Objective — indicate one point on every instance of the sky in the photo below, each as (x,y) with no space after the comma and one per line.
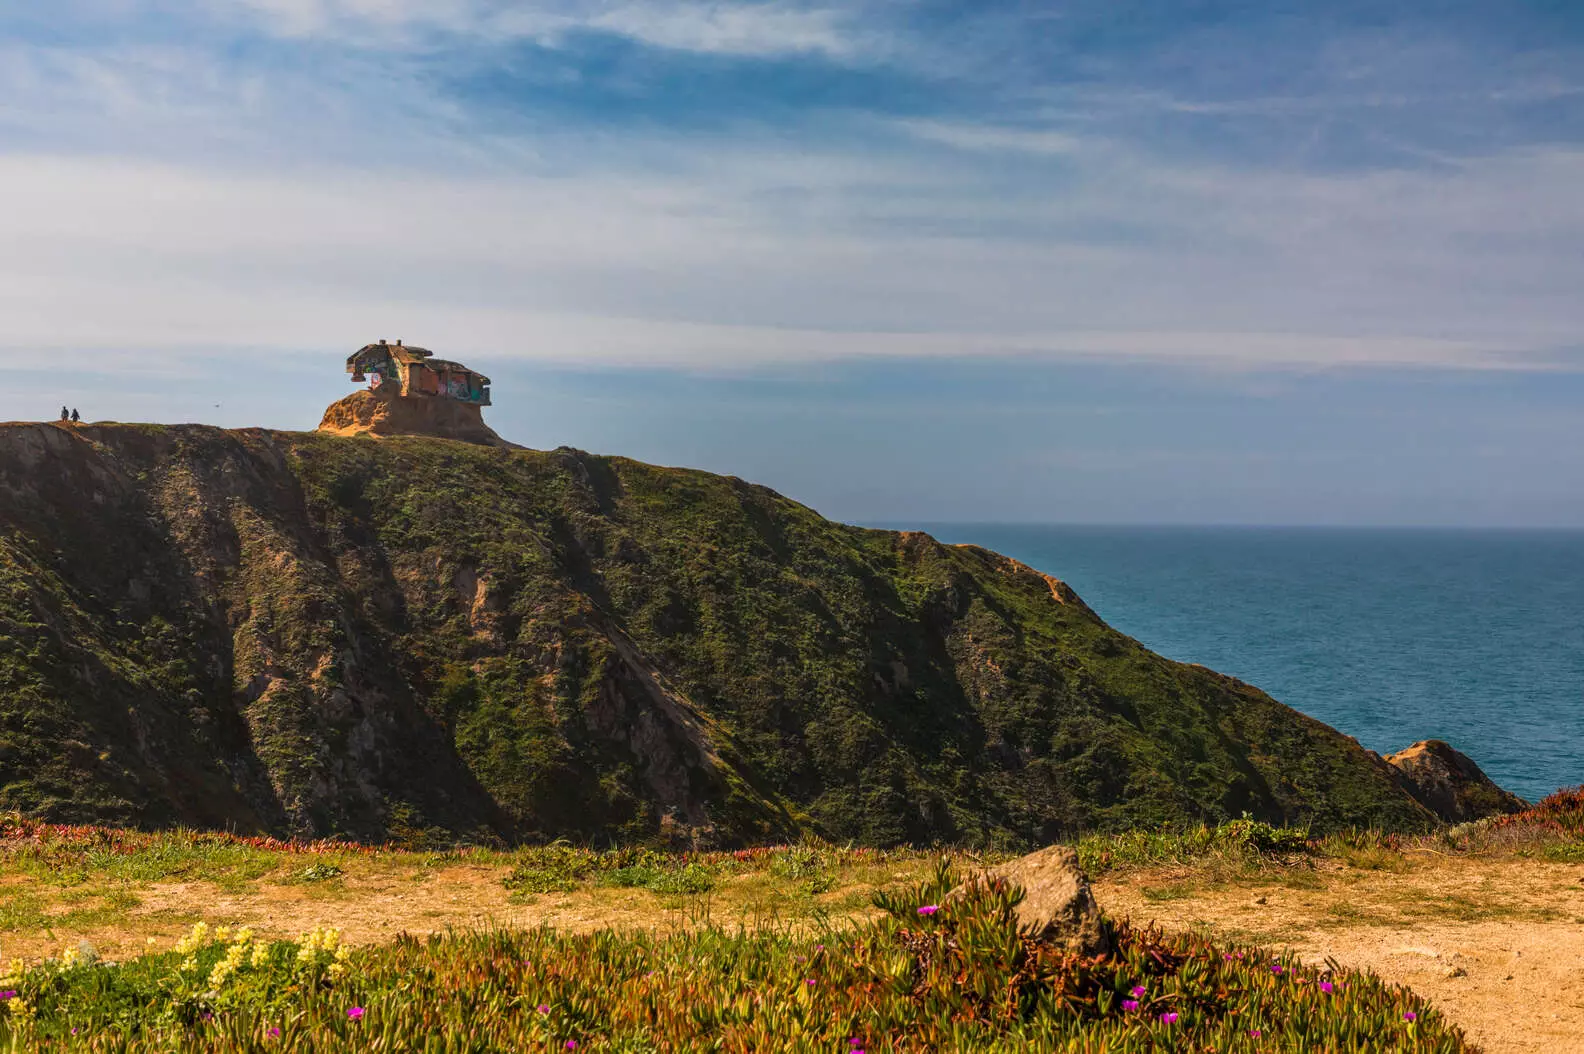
(1114,261)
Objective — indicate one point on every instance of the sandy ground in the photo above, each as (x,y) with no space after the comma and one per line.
(371,909)
(1498,946)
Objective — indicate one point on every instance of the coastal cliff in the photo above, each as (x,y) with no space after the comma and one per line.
(309,634)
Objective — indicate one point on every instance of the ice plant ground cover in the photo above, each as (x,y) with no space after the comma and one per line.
(959,979)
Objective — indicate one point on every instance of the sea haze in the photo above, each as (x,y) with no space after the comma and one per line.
(1392,636)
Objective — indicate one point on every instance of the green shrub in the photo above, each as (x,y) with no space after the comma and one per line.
(639,876)
(320,872)
(550,869)
(807,866)
(1244,841)
(1565,852)
(692,878)
(1259,837)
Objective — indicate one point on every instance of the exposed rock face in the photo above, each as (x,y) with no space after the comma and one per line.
(1449,784)
(1057,904)
(374,412)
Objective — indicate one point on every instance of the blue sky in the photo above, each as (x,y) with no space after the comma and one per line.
(1101,261)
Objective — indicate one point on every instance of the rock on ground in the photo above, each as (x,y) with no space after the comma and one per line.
(1057,904)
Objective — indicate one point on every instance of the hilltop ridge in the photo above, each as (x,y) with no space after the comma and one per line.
(305,634)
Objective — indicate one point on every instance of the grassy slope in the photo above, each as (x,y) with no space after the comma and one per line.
(321,635)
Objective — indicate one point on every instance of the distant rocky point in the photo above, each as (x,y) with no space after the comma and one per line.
(411,392)
(1449,784)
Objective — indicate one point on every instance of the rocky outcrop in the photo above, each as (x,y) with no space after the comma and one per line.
(1449,784)
(1057,905)
(374,412)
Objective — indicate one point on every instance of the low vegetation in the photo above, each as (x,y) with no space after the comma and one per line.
(858,968)
(931,974)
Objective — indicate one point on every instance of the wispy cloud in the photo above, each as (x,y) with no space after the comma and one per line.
(753,29)
(979,136)
(303,167)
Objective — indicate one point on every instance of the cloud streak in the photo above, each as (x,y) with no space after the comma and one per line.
(294,170)
(754,30)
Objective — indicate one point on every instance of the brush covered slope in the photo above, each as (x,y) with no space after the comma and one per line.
(415,638)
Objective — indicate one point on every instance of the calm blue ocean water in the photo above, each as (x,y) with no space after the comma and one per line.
(1475,637)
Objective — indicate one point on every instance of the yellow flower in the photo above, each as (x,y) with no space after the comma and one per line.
(195,939)
(227,965)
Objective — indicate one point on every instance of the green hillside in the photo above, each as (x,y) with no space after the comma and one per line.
(411,637)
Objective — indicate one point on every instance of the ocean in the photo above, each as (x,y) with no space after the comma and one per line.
(1392,636)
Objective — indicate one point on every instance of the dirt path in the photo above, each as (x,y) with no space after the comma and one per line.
(1498,946)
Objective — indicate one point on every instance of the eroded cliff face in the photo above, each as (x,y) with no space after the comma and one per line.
(382,412)
(308,634)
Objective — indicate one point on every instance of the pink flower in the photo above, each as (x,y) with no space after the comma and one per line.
(1276,969)
(1327,987)
(1254,1032)
(355,1013)
(571,1044)
(8,994)
(929,909)
(808,980)
(1409,1015)
(1169,1017)
(1138,991)
(1130,1004)
(543,1009)
(273,1030)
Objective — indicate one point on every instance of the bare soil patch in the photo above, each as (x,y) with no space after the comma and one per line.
(1496,944)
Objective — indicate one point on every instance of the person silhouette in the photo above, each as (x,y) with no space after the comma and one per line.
(75,418)
(65,414)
